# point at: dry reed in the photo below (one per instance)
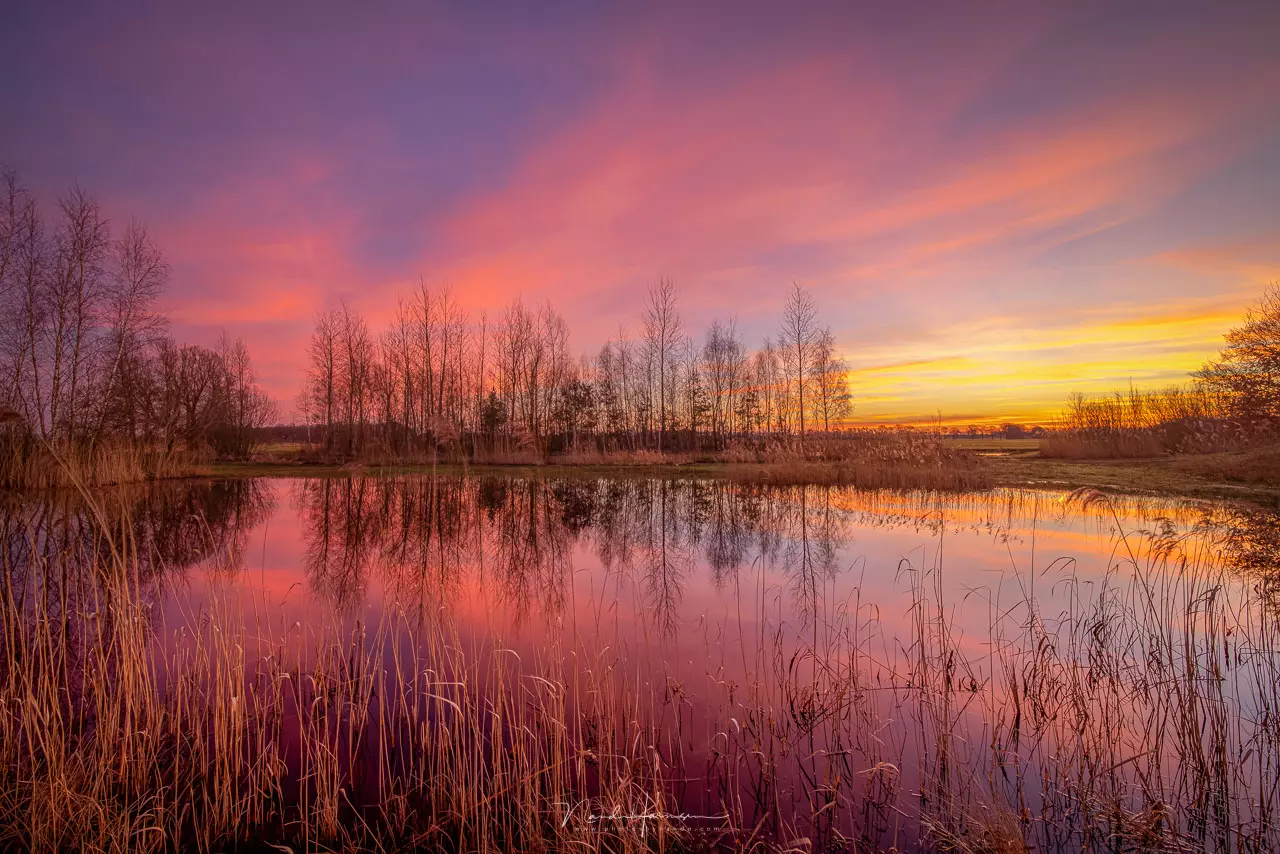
(27, 463)
(1141, 715)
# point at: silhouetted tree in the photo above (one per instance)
(798, 337)
(1247, 371)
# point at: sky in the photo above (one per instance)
(993, 205)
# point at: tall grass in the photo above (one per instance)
(1136, 423)
(1132, 711)
(872, 459)
(28, 463)
(1254, 466)
(241, 730)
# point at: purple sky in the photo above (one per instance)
(993, 204)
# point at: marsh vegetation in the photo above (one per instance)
(501, 663)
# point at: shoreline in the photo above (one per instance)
(1159, 476)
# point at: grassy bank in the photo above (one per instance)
(1206, 476)
(901, 460)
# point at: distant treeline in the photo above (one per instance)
(437, 379)
(86, 362)
(1232, 402)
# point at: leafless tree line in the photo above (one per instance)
(83, 349)
(438, 378)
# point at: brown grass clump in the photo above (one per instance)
(1101, 445)
(592, 456)
(27, 463)
(900, 459)
(984, 829)
(1136, 424)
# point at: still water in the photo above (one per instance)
(861, 670)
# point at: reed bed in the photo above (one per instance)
(1140, 424)
(242, 732)
(26, 463)
(873, 459)
(1139, 711)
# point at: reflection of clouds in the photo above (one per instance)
(425, 536)
(424, 539)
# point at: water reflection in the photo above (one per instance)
(417, 534)
(864, 669)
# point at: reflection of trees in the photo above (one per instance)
(56, 548)
(426, 542)
(667, 557)
(180, 524)
(726, 537)
(1250, 540)
(531, 546)
(342, 531)
(165, 527)
(423, 535)
(809, 558)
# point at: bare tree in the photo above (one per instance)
(434, 372)
(82, 346)
(798, 336)
(242, 405)
(662, 338)
(321, 391)
(355, 362)
(23, 276)
(140, 275)
(81, 248)
(831, 398)
(724, 360)
(767, 380)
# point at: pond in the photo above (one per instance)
(497, 663)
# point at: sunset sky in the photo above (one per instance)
(993, 205)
